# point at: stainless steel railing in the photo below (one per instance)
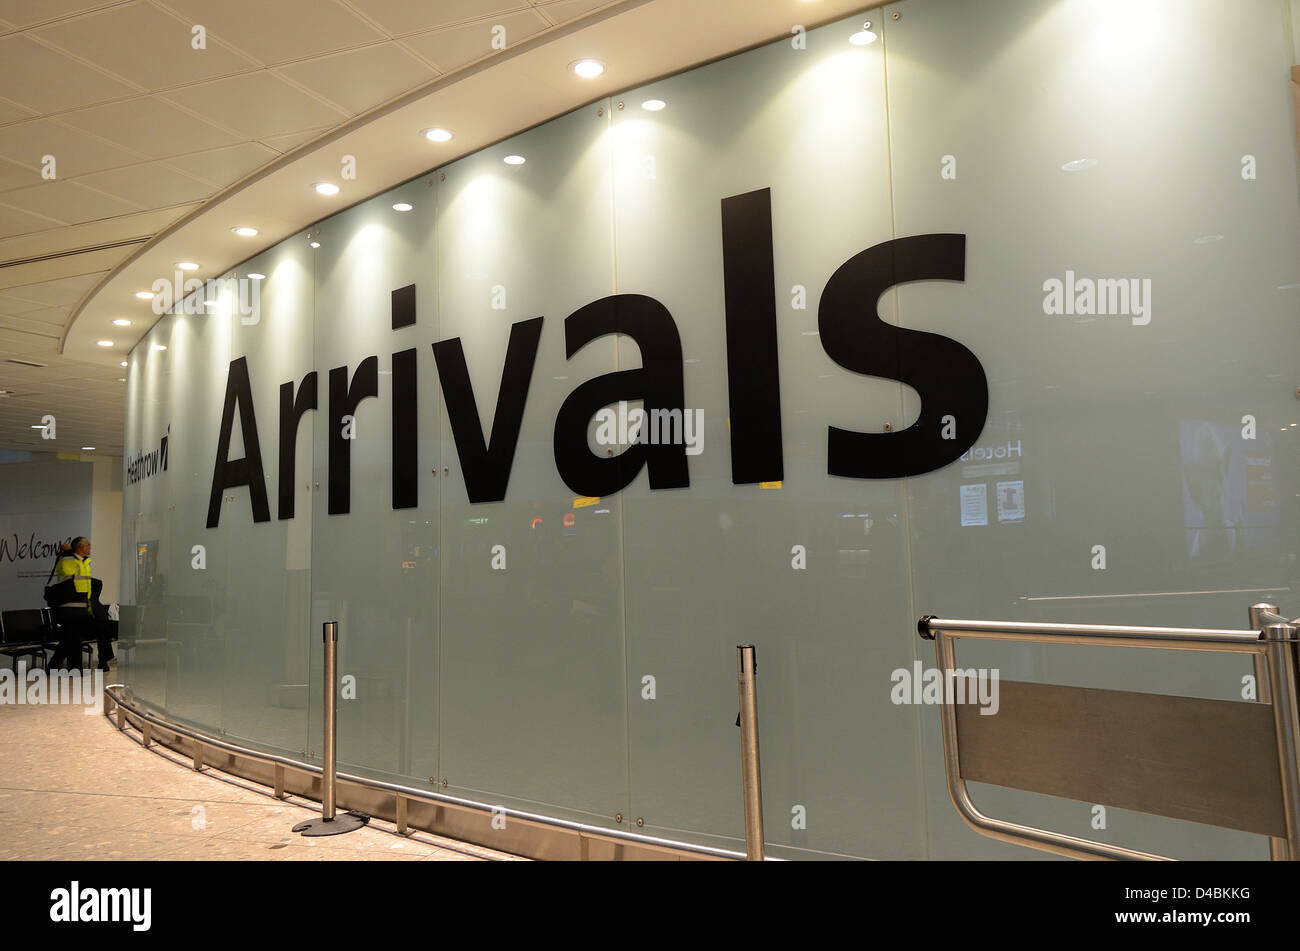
(1272, 644)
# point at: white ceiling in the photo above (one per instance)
(149, 134)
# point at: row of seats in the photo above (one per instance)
(31, 632)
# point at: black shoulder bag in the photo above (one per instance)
(60, 594)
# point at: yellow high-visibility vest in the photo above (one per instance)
(78, 569)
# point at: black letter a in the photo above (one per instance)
(228, 473)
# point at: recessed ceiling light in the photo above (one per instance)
(254, 276)
(1079, 165)
(121, 379)
(122, 364)
(437, 135)
(160, 346)
(653, 105)
(326, 188)
(402, 206)
(187, 265)
(514, 160)
(587, 68)
(313, 244)
(103, 343)
(121, 322)
(87, 448)
(863, 36)
(144, 295)
(245, 232)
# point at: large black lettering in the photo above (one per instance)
(753, 381)
(344, 400)
(487, 467)
(949, 378)
(292, 410)
(230, 473)
(658, 381)
(406, 438)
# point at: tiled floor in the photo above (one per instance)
(72, 787)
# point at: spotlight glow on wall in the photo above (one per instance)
(437, 134)
(326, 188)
(587, 68)
(160, 346)
(863, 36)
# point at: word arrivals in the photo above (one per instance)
(1104, 297)
(74, 903)
(949, 379)
(934, 686)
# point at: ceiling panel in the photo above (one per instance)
(24, 13)
(64, 292)
(15, 221)
(281, 31)
(151, 126)
(287, 143)
(66, 201)
(150, 185)
(257, 105)
(13, 175)
(75, 152)
(32, 327)
(12, 112)
(146, 46)
(48, 81)
(451, 49)
(54, 316)
(399, 17)
(565, 10)
(15, 305)
(360, 79)
(223, 166)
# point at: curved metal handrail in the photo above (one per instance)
(114, 693)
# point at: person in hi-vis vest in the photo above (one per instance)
(76, 619)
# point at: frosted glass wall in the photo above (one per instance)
(546, 618)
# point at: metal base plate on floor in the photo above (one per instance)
(343, 822)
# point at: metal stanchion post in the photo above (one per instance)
(749, 769)
(1282, 676)
(1277, 848)
(329, 823)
